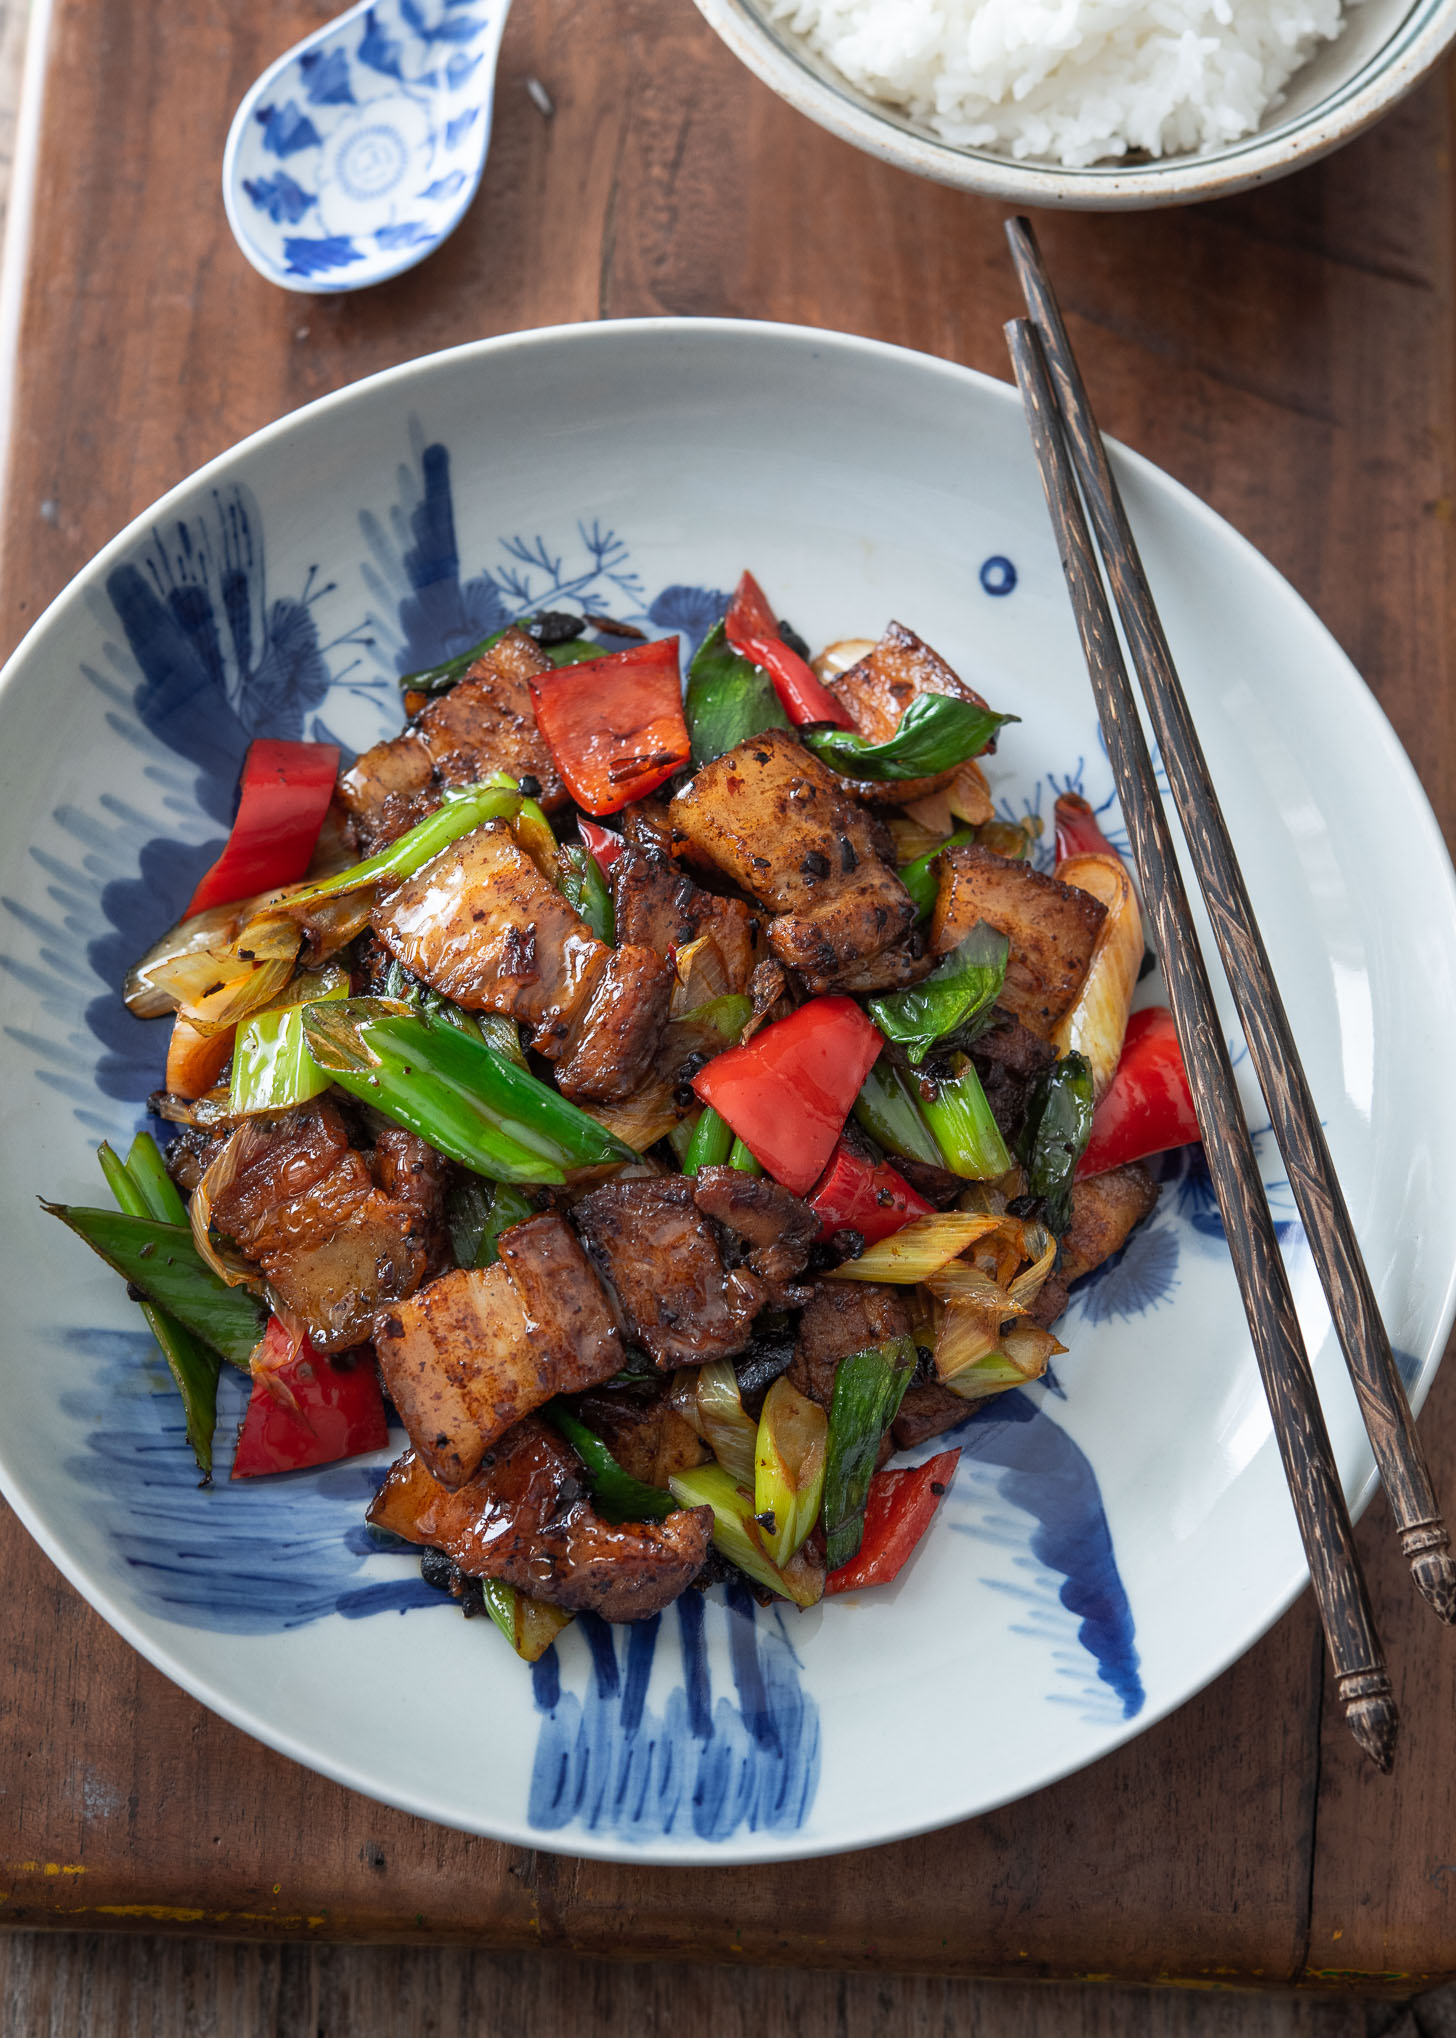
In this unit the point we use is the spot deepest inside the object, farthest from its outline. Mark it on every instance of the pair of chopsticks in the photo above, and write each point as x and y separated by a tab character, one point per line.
1075	469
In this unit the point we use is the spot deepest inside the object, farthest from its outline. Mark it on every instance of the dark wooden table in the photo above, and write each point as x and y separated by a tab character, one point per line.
1290	355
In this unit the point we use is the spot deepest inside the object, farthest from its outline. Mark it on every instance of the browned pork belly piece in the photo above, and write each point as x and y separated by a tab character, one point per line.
610	1050
485	723
843	1317
524	1517
648	1439
776	1226
1052	928
877	692
781	825
928	1410
1008	1059
336	1231
658	905
1106	1210
663	1260
482	925
478	1349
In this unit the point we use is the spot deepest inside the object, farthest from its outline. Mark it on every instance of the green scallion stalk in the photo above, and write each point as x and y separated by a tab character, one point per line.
467	1213
888	1110
585	890
711	1143
868	1388
1054	1138
460	812
959	990
737	1536
728	699
727	1016
920	878
529	1625
618	1495
458	1094
966	1132
272	1067
194	1369
743	1160
162	1261
148	1170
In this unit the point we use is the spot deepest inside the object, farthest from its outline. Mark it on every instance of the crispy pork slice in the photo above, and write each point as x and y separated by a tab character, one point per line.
1052	928
335	1231
1106	1210
469	1356
777	1227
610	1050
663	1260
877	692
843	1317
781	825
658	905
481	924
648	1439
524	1517
929	1410
485	723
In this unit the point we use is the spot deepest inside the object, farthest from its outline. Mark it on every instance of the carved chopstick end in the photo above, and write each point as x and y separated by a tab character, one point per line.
1434	1570
1370	1714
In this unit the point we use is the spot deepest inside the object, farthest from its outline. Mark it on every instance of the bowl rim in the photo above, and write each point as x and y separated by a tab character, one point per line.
1412	50
1282	1590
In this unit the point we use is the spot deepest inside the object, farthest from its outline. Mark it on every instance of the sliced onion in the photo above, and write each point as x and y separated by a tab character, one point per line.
920	1249
1097	1022
226	1262
249	989
1022	1356
1040	1247
730	1434
912	838
837	658
172	968
969	796
701	975
648	1115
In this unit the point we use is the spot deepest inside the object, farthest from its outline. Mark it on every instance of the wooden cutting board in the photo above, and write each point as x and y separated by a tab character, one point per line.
1289	355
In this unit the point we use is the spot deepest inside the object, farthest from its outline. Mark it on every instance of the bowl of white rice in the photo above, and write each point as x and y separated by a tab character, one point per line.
1096	104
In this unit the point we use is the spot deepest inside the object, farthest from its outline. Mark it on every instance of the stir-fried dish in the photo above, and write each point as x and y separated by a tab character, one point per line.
673	1102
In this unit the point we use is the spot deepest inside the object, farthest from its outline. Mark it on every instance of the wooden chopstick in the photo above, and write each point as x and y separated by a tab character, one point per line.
1394	1440
1361	1678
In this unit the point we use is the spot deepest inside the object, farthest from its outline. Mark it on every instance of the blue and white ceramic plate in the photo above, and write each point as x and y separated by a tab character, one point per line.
1116	1534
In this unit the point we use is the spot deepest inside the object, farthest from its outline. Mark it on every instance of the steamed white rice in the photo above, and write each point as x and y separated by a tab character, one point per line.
1072	81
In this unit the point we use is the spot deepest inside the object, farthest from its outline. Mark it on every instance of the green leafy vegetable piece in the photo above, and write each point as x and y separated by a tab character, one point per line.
1054	1138
957	991
887	1109
743	1160
162	1261
728	699
920	879
936	733
868	1388
619	1496
508	1206
585	890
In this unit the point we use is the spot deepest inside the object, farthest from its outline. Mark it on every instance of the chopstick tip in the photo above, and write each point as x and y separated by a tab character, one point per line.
1370	1714
1435	1573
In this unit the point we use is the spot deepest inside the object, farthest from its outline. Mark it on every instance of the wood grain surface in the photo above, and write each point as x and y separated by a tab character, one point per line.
1289	355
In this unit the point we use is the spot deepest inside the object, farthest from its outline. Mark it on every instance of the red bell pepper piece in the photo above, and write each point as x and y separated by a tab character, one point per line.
788	1091
282	800
305	1410
899	1510
615	725
1149	1106
864	1196
1078	832
604	844
752	629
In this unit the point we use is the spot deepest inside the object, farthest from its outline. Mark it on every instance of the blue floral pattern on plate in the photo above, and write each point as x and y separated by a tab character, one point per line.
633	1738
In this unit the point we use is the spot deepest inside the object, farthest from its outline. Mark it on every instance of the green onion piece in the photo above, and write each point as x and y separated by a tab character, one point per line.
1058	1125
529	1625
887	1109
585	889
727	1016
193	1368
965	1130
461	812
728	1429
738	1537
456	1093
508	1206
743	1160
272	1067
958	990
711	1143
162	1261
148	1170
936	733
868	1387
619	1496
680	1138
921	879
467	1213
496	1029
728	699
788	1468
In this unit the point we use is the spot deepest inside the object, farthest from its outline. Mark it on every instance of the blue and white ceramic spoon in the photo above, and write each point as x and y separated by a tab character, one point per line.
358	152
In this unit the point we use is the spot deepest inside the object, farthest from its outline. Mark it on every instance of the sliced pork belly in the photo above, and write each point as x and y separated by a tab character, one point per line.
777	1227
524	1517
877	692
781	825
611	1049
335	1230
1052	928
659	907
664	1263
648	1439
843	1317
485	723
1106	1210
479	1348
482	925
